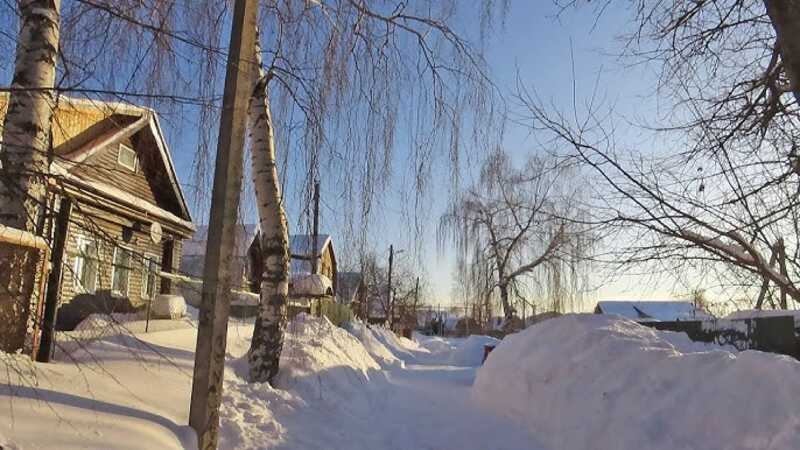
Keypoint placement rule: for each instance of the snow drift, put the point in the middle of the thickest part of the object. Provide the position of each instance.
(372, 344)
(321, 365)
(469, 352)
(603, 382)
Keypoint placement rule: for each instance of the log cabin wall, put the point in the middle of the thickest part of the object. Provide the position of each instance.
(108, 232)
(328, 265)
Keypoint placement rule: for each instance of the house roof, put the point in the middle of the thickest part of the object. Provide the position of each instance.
(82, 127)
(651, 311)
(347, 286)
(301, 251)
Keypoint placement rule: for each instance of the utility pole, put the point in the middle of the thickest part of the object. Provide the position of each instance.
(315, 243)
(416, 302)
(209, 364)
(389, 288)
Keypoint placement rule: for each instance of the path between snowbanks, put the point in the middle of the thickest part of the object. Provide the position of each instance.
(584, 382)
(132, 392)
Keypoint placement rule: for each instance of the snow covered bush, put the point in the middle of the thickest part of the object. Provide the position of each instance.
(603, 382)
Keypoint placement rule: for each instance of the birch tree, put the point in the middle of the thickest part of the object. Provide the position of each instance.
(267, 341)
(24, 152)
(343, 77)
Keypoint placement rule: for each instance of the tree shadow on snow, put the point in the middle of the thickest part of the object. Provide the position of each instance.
(182, 432)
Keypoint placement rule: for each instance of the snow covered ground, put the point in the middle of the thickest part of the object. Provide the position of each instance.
(574, 383)
(132, 391)
(604, 382)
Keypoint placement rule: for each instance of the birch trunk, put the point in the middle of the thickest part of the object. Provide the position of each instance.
(267, 342)
(23, 158)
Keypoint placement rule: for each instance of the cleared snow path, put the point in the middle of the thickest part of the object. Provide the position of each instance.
(133, 392)
(429, 407)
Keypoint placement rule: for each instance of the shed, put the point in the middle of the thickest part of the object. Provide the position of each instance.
(651, 311)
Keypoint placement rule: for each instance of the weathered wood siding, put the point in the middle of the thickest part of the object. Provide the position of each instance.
(107, 231)
(104, 168)
(328, 265)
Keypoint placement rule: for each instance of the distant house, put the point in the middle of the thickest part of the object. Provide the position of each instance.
(651, 311)
(128, 217)
(350, 289)
(194, 256)
(305, 285)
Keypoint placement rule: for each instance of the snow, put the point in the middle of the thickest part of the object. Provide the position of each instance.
(169, 306)
(604, 382)
(469, 351)
(373, 345)
(652, 310)
(311, 284)
(133, 390)
(572, 383)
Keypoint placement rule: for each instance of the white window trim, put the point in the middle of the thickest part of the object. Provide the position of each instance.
(75, 278)
(135, 157)
(114, 270)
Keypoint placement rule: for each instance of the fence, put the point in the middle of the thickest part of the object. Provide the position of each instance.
(28, 255)
(767, 334)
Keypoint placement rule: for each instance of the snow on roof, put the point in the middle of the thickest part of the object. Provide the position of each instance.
(651, 311)
(302, 245)
(312, 284)
(196, 246)
(347, 286)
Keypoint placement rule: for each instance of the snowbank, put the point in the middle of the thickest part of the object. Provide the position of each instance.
(374, 347)
(169, 306)
(469, 351)
(434, 344)
(321, 365)
(402, 348)
(602, 382)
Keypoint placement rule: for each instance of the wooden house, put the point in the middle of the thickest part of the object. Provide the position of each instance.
(128, 215)
(307, 287)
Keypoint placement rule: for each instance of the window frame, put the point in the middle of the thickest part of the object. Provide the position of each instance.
(79, 265)
(123, 147)
(128, 269)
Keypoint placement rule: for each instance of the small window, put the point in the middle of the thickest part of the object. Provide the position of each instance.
(127, 157)
(86, 264)
(149, 277)
(120, 271)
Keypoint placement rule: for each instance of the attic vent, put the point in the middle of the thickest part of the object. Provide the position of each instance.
(127, 157)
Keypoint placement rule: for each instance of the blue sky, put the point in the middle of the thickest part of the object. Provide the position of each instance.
(533, 44)
(537, 46)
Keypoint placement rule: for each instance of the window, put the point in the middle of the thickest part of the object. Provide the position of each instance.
(127, 157)
(149, 279)
(86, 263)
(120, 271)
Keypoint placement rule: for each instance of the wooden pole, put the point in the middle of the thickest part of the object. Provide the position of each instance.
(212, 330)
(54, 281)
(315, 243)
(389, 288)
